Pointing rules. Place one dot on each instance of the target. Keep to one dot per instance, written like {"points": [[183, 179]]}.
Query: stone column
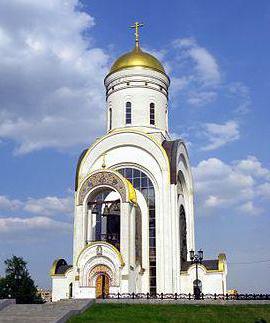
{"points": [[93, 226], [78, 237], [89, 226], [125, 245]]}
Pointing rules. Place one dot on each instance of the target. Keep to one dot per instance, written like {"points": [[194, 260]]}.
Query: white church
{"points": [[134, 214]]}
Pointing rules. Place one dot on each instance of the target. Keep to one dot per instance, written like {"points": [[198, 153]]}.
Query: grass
{"points": [[103, 313]]}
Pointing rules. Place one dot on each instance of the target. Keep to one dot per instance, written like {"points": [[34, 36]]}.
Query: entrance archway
{"points": [[102, 285], [197, 288], [70, 290]]}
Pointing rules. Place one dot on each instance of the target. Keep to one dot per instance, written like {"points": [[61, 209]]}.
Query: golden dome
{"points": [[137, 58]]}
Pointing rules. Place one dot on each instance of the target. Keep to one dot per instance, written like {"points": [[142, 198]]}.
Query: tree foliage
{"points": [[18, 283]]}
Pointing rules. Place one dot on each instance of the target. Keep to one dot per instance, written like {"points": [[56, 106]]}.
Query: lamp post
{"points": [[196, 259]]}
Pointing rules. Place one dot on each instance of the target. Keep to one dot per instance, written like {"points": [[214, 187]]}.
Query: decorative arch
{"points": [[114, 140], [96, 254], [97, 270], [107, 178]]}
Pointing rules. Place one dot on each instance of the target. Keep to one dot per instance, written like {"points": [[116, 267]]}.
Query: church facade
{"points": [[134, 215]]}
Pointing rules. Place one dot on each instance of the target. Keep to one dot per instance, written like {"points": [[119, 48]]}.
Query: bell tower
{"points": [[137, 91]]}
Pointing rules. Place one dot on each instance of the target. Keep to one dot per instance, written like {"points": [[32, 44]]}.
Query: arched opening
{"points": [[152, 113], [102, 285], [183, 234], [143, 183], [128, 112], [197, 288], [70, 290], [105, 212]]}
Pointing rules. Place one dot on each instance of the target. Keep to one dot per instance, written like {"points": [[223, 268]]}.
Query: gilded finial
{"points": [[104, 161], [137, 25]]}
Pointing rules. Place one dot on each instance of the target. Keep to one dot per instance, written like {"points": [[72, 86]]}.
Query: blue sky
{"points": [[53, 58]]}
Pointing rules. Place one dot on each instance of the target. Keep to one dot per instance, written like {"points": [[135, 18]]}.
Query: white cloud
{"points": [[200, 98], [205, 63], [51, 80], [264, 190], [219, 135], [249, 208], [252, 166], [7, 204], [241, 93], [18, 224], [219, 185], [47, 206]]}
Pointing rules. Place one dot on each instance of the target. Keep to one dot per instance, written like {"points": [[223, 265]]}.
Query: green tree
{"points": [[18, 283]]}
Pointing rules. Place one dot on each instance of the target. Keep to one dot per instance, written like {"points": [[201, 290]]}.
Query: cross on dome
{"points": [[136, 26]]}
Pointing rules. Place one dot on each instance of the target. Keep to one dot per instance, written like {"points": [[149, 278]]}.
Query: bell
{"points": [[106, 210]]}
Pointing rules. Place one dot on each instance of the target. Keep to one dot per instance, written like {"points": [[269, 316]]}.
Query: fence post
{"points": [[215, 296], [189, 296], [147, 295], [133, 295], [161, 295], [227, 296], [202, 296], [175, 296], [118, 295]]}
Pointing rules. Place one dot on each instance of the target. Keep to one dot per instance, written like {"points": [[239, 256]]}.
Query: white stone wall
{"points": [[137, 149], [212, 281], [140, 86], [60, 285]]}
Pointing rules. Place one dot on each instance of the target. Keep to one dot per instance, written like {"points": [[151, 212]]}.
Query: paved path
{"points": [[183, 301], [56, 312]]}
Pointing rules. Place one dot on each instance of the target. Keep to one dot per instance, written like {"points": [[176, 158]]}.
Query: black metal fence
{"points": [[175, 296]]}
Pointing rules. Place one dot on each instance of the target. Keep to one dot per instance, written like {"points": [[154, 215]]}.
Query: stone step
{"points": [[48, 312]]}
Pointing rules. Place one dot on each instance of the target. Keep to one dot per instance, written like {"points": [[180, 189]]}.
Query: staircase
{"points": [[56, 312]]}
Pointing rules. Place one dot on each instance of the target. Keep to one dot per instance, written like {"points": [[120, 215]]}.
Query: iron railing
{"points": [[176, 296]]}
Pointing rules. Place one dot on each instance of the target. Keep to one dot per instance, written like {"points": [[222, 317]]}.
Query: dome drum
{"points": [[141, 79]]}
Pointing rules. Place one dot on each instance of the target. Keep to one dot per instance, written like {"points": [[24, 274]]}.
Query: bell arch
{"points": [[109, 178]]}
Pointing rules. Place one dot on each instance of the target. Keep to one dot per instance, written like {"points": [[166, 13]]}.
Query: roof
{"points": [[208, 264], [62, 269], [171, 148], [137, 58]]}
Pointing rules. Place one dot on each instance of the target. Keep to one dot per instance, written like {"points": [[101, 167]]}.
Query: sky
{"points": [[54, 55]]}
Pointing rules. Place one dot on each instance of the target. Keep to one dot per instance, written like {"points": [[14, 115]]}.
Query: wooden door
{"points": [[102, 286]]}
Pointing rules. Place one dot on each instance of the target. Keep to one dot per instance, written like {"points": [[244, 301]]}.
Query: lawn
{"points": [[174, 313]]}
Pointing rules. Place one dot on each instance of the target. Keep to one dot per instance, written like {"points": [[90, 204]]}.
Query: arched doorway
{"points": [[70, 290], [197, 288], [102, 285]]}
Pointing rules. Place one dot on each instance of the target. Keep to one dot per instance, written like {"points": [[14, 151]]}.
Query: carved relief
{"points": [[103, 178]]}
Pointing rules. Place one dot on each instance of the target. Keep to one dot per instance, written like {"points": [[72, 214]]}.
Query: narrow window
{"points": [[128, 113], [110, 119], [152, 113]]}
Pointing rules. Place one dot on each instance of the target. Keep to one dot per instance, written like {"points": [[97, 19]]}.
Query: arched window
{"points": [[142, 182], [128, 112], [183, 235], [152, 113], [110, 119]]}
